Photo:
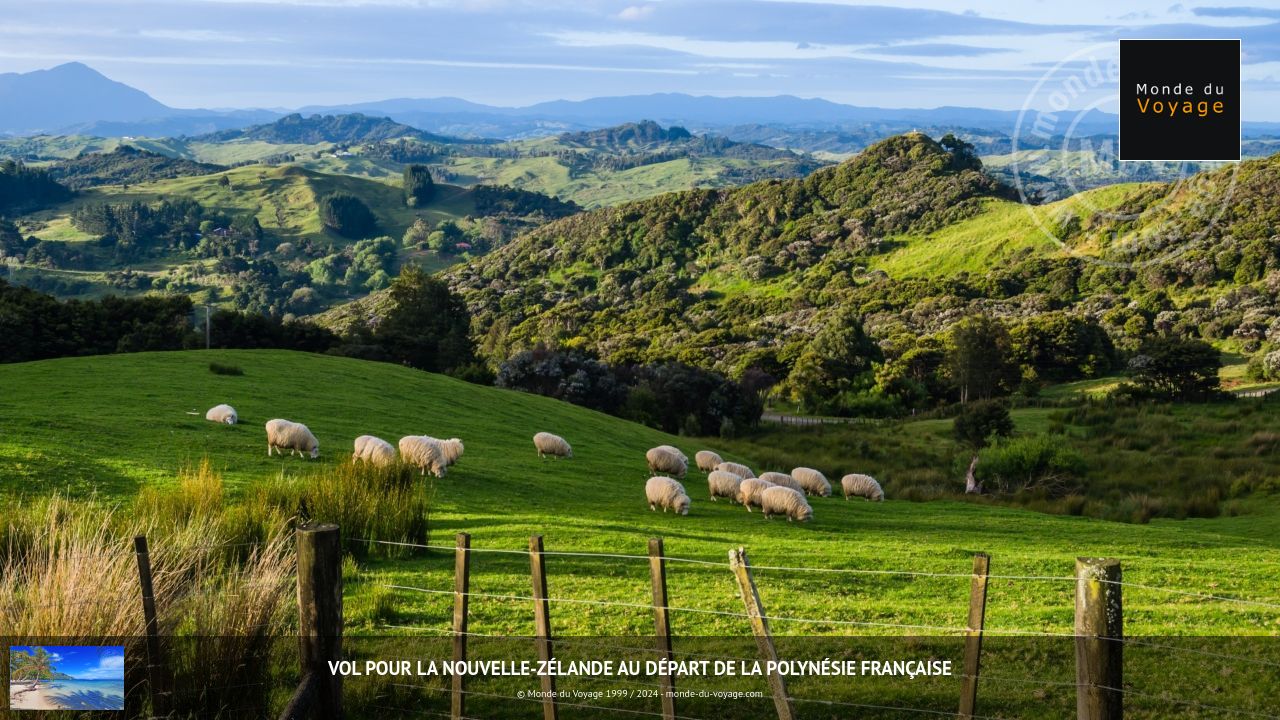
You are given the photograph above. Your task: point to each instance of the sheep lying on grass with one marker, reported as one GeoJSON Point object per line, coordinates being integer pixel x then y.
{"type": "Point", "coordinates": [813, 482]}
{"type": "Point", "coordinates": [222, 414]}
{"type": "Point", "coordinates": [666, 459]}
{"type": "Point", "coordinates": [749, 491]}
{"type": "Point", "coordinates": [785, 501]}
{"type": "Point", "coordinates": [373, 450]}
{"type": "Point", "coordinates": [666, 493]}
{"type": "Point", "coordinates": [552, 445]}
{"type": "Point", "coordinates": [863, 486]}
{"type": "Point", "coordinates": [707, 460]}
{"type": "Point", "coordinates": [738, 469]}
{"type": "Point", "coordinates": [424, 453]}
{"type": "Point", "coordinates": [295, 437]}
{"type": "Point", "coordinates": [783, 479]}
{"type": "Point", "coordinates": [723, 485]}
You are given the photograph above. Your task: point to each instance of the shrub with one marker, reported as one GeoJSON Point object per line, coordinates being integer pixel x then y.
{"type": "Point", "coordinates": [347, 215]}
{"type": "Point", "coordinates": [1033, 463]}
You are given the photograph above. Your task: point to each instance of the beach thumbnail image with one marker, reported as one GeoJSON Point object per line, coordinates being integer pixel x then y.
{"type": "Point", "coordinates": [66, 677]}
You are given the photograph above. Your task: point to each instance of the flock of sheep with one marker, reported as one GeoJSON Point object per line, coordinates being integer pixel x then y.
{"type": "Point", "coordinates": [426, 453]}
{"type": "Point", "coordinates": [775, 493]}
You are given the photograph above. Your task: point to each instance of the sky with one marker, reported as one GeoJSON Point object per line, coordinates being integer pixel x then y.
{"type": "Point", "coordinates": [903, 53]}
{"type": "Point", "coordinates": [84, 662]}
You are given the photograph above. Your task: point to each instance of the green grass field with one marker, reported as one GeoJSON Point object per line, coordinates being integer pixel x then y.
{"type": "Point", "coordinates": [106, 426]}
{"type": "Point", "coordinates": [103, 429]}
{"type": "Point", "coordinates": [1000, 231]}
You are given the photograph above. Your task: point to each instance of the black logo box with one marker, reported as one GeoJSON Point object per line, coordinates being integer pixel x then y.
{"type": "Point", "coordinates": [1180, 65]}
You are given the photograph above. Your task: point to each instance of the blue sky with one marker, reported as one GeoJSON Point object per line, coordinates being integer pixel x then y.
{"type": "Point", "coordinates": [84, 662]}
{"type": "Point", "coordinates": [909, 53]}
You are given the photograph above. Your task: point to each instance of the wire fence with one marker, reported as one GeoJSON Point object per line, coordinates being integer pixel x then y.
{"type": "Point", "coordinates": [821, 626]}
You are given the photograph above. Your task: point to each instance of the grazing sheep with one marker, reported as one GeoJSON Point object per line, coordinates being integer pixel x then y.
{"type": "Point", "coordinates": [723, 484]}
{"type": "Point", "coordinates": [749, 492]}
{"type": "Point", "coordinates": [785, 501]}
{"type": "Point", "coordinates": [813, 482]}
{"type": "Point", "coordinates": [552, 445]}
{"type": "Point", "coordinates": [424, 453]}
{"type": "Point", "coordinates": [662, 459]}
{"type": "Point", "coordinates": [863, 486]}
{"type": "Point", "coordinates": [452, 450]}
{"type": "Point", "coordinates": [707, 460]}
{"type": "Point", "coordinates": [668, 494]}
{"type": "Point", "coordinates": [295, 437]}
{"type": "Point", "coordinates": [783, 479]}
{"type": "Point", "coordinates": [677, 451]}
{"type": "Point", "coordinates": [222, 414]}
{"type": "Point", "coordinates": [373, 450]}
{"type": "Point", "coordinates": [738, 469]}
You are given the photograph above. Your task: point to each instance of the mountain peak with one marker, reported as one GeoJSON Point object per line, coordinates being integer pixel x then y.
{"type": "Point", "coordinates": [69, 94]}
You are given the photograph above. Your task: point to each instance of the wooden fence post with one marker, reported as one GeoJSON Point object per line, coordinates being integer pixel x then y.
{"type": "Point", "coordinates": [542, 626]}
{"type": "Point", "coordinates": [320, 614]}
{"type": "Point", "coordinates": [1099, 640]}
{"type": "Point", "coordinates": [973, 636]}
{"type": "Point", "coordinates": [155, 663]}
{"type": "Point", "coordinates": [461, 586]}
{"type": "Point", "coordinates": [760, 627]}
{"type": "Point", "coordinates": [662, 625]}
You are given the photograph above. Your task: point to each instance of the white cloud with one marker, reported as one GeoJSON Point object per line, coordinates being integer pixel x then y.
{"type": "Point", "coordinates": [109, 667]}
{"type": "Point", "coordinates": [635, 12]}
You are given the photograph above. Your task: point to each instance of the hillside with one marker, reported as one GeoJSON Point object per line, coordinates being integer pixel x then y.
{"type": "Point", "coordinates": [126, 165]}
{"type": "Point", "coordinates": [281, 246]}
{"type": "Point", "coordinates": [501, 493]}
{"type": "Point", "coordinates": [714, 272]}
{"type": "Point", "coordinates": [350, 128]}
{"type": "Point", "coordinates": [905, 235]}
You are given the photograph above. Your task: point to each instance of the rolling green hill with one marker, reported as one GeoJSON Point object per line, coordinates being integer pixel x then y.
{"type": "Point", "coordinates": [909, 236]}
{"type": "Point", "coordinates": [141, 419]}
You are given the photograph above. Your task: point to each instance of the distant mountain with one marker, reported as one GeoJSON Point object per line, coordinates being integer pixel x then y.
{"type": "Point", "coordinates": [188, 122]}
{"type": "Point", "coordinates": [67, 95]}
{"type": "Point", "coordinates": [348, 128]}
{"type": "Point", "coordinates": [126, 165]}
{"type": "Point", "coordinates": [628, 135]}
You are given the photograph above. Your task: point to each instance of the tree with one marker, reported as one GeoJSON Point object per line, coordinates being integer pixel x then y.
{"type": "Point", "coordinates": [1174, 368]}
{"type": "Point", "coordinates": [418, 186]}
{"type": "Point", "coordinates": [35, 666]}
{"type": "Point", "coordinates": [980, 358]}
{"type": "Point", "coordinates": [427, 326]}
{"type": "Point", "coordinates": [347, 215]}
{"type": "Point", "coordinates": [974, 427]}
{"type": "Point", "coordinates": [839, 353]}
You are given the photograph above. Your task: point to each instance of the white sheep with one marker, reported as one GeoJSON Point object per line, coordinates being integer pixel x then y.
{"type": "Point", "coordinates": [813, 482]}
{"type": "Point", "coordinates": [552, 445]}
{"type": "Point", "coordinates": [424, 453]}
{"type": "Point", "coordinates": [677, 451]}
{"type": "Point", "coordinates": [666, 459]}
{"type": "Point", "coordinates": [738, 469]}
{"type": "Point", "coordinates": [666, 493]}
{"type": "Point", "coordinates": [295, 437]}
{"type": "Point", "coordinates": [785, 501]}
{"type": "Point", "coordinates": [749, 491]}
{"type": "Point", "coordinates": [863, 486]}
{"type": "Point", "coordinates": [222, 414]}
{"type": "Point", "coordinates": [452, 450]}
{"type": "Point", "coordinates": [707, 460]}
{"type": "Point", "coordinates": [373, 450]}
{"type": "Point", "coordinates": [723, 484]}
{"type": "Point", "coordinates": [783, 479]}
